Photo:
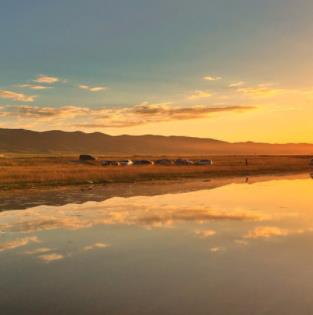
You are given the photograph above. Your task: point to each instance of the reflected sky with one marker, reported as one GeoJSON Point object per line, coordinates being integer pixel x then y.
{"type": "Point", "coordinates": [236, 248]}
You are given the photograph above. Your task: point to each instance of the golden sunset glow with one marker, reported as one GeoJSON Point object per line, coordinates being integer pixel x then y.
{"type": "Point", "coordinates": [249, 80]}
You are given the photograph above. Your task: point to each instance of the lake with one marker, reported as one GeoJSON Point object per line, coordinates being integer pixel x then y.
{"type": "Point", "coordinates": [220, 246]}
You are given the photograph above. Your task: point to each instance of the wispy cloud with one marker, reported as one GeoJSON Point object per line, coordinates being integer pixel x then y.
{"type": "Point", "coordinates": [236, 84]}
{"type": "Point", "coordinates": [84, 117]}
{"type": "Point", "coordinates": [38, 111]}
{"type": "Point", "coordinates": [260, 91]}
{"type": "Point", "coordinates": [89, 88]}
{"type": "Point", "coordinates": [18, 97]}
{"type": "Point", "coordinates": [34, 86]}
{"type": "Point", "coordinates": [18, 243]}
{"type": "Point", "coordinates": [96, 246]}
{"type": "Point", "coordinates": [198, 94]}
{"type": "Point", "coordinates": [46, 79]}
{"type": "Point", "coordinates": [151, 113]}
{"type": "Point", "coordinates": [211, 78]}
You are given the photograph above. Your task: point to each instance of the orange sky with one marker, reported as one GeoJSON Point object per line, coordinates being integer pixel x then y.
{"type": "Point", "coordinates": [234, 70]}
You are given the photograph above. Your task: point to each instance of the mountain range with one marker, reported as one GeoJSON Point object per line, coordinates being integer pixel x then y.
{"type": "Point", "coordinates": [62, 142]}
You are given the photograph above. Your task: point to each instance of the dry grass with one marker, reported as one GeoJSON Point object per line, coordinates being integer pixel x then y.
{"type": "Point", "coordinates": [18, 172]}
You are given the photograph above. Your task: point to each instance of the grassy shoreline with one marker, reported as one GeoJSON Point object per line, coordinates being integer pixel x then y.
{"type": "Point", "coordinates": [31, 172]}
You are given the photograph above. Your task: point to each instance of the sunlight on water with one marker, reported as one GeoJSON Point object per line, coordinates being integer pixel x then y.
{"type": "Point", "coordinates": [233, 248]}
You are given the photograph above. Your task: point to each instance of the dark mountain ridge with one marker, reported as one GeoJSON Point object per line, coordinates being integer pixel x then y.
{"type": "Point", "coordinates": [63, 142]}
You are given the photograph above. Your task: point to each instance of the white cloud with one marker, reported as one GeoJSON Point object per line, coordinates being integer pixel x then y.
{"type": "Point", "coordinates": [211, 78]}
{"type": "Point", "coordinates": [261, 90]}
{"type": "Point", "coordinates": [96, 246]}
{"type": "Point", "coordinates": [18, 97]}
{"type": "Point", "coordinates": [34, 86]}
{"type": "Point", "coordinates": [236, 84]}
{"type": "Point", "coordinates": [46, 79]}
{"type": "Point", "coordinates": [93, 88]}
{"type": "Point", "coordinates": [198, 94]}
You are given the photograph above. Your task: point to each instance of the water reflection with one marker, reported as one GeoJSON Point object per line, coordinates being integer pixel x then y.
{"type": "Point", "coordinates": [258, 204]}
{"type": "Point", "coordinates": [153, 250]}
{"type": "Point", "coordinates": [14, 200]}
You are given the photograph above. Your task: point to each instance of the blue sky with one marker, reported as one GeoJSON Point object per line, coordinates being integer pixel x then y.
{"type": "Point", "coordinates": [154, 52]}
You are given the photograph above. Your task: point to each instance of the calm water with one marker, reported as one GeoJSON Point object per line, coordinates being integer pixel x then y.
{"type": "Point", "coordinates": [218, 247]}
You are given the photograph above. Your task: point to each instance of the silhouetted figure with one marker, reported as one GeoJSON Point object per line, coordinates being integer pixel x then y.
{"type": "Point", "coordinates": [246, 162]}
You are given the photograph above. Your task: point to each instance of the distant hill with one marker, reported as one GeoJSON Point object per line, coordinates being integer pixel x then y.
{"type": "Point", "coordinates": [61, 142]}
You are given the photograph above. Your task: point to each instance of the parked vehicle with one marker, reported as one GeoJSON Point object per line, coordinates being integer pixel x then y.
{"type": "Point", "coordinates": [164, 162]}
{"type": "Point", "coordinates": [183, 162]}
{"type": "Point", "coordinates": [125, 162]}
{"type": "Point", "coordinates": [86, 157]}
{"type": "Point", "coordinates": [204, 162]}
{"type": "Point", "coordinates": [142, 162]}
{"type": "Point", "coordinates": [109, 163]}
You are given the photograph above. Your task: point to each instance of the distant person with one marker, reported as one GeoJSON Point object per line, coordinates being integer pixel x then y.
{"type": "Point", "coordinates": [246, 162]}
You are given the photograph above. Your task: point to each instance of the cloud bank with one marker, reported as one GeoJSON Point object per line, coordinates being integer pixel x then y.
{"type": "Point", "coordinates": [104, 117]}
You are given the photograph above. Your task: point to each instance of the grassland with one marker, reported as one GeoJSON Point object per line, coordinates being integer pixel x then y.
{"type": "Point", "coordinates": [31, 171]}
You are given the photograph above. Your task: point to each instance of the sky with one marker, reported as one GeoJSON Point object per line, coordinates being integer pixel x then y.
{"type": "Point", "coordinates": [235, 70]}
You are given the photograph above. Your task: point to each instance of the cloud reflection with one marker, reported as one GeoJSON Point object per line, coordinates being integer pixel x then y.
{"type": "Point", "coordinates": [266, 232]}
{"type": "Point", "coordinates": [139, 211]}
{"type": "Point", "coordinates": [205, 233]}
{"type": "Point", "coordinates": [38, 251]}
{"type": "Point", "coordinates": [50, 257]}
{"type": "Point", "coordinates": [18, 243]}
{"type": "Point", "coordinates": [216, 249]}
